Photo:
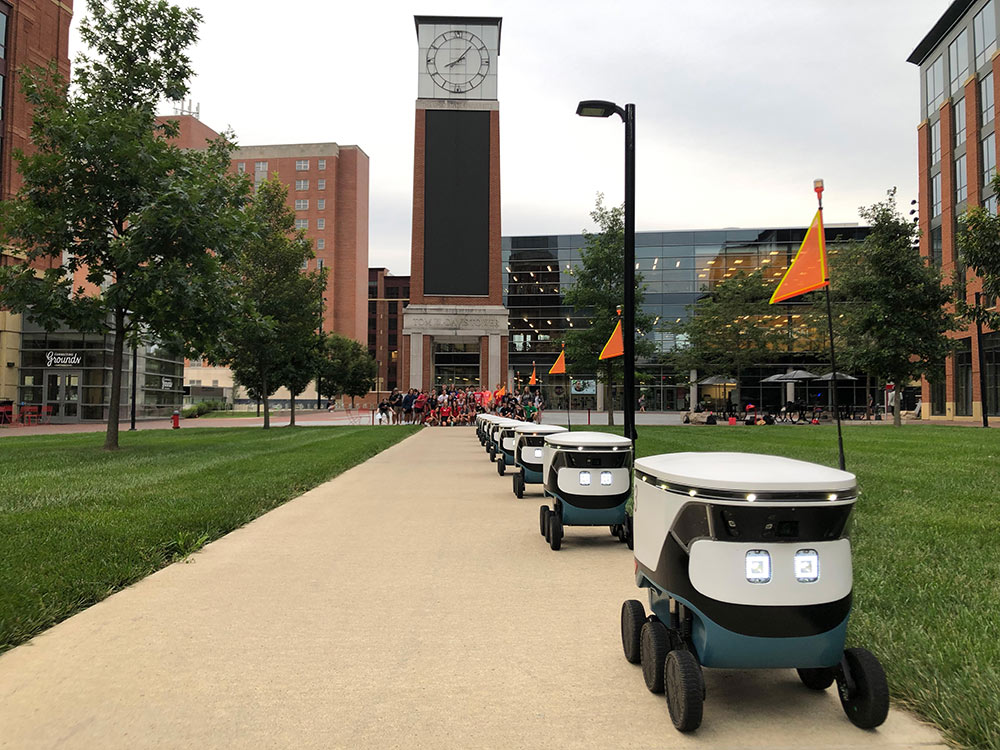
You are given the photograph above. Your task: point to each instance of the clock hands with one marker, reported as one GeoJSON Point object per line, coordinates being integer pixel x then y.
{"type": "Point", "coordinates": [459, 59]}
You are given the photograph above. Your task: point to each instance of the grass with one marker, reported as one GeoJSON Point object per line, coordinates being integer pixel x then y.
{"type": "Point", "coordinates": [78, 523]}
{"type": "Point", "coordinates": [926, 560]}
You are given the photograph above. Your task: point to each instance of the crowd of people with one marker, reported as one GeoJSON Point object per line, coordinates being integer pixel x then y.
{"type": "Point", "coordinates": [446, 406]}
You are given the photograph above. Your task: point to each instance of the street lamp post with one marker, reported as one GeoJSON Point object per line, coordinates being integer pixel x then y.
{"type": "Point", "coordinates": [597, 108]}
{"type": "Point", "coordinates": [319, 376]}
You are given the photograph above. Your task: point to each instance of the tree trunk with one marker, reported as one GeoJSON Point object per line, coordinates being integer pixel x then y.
{"type": "Point", "coordinates": [868, 395]}
{"type": "Point", "coordinates": [114, 405]}
{"type": "Point", "coordinates": [291, 419]}
{"type": "Point", "coordinates": [608, 403]}
{"type": "Point", "coordinates": [267, 410]}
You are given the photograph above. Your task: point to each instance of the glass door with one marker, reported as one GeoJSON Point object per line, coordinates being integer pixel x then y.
{"type": "Point", "coordinates": [62, 395]}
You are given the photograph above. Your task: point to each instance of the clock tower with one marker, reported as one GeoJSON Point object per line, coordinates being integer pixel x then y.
{"type": "Point", "coordinates": [455, 327]}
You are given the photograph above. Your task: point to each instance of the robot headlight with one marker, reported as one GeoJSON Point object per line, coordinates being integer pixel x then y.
{"type": "Point", "coordinates": [807, 566]}
{"type": "Point", "coordinates": [758, 564]}
{"type": "Point", "coordinates": [538, 452]}
{"type": "Point", "coordinates": [585, 478]}
{"type": "Point", "coordinates": [606, 478]}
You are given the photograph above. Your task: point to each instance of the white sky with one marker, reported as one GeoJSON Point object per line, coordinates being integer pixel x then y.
{"type": "Point", "coordinates": [740, 103]}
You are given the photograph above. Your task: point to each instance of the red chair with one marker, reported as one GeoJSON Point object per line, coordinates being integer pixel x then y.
{"type": "Point", "coordinates": [29, 415]}
{"type": "Point", "coordinates": [46, 414]}
{"type": "Point", "coordinates": [6, 416]}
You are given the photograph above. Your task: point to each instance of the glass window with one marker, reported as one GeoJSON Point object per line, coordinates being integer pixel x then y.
{"type": "Point", "coordinates": [989, 149]}
{"type": "Point", "coordinates": [961, 180]}
{"type": "Point", "coordinates": [301, 223]}
{"type": "Point", "coordinates": [321, 204]}
{"type": "Point", "coordinates": [321, 244]}
{"type": "Point", "coordinates": [936, 195]}
{"type": "Point", "coordinates": [302, 184]}
{"type": "Point", "coordinates": [260, 166]}
{"type": "Point", "coordinates": [934, 78]}
{"type": "Point", "coordinates": [319, 263]}
{"type": "Point", "coordinates": [959, 111]}
{"type": "Point", "coordinates": [321, 184]}
{"type": "Point", "coordinates": [958, 60]}
{"type": "Point", "coordinates": [301, 165]}
{"type": "Point", "coordinates": [321, 165]}
{"type": "Point", "coordinates": [321, 223]}
{"type": "Point", "coordinates": [936, 247]}
{"type": "Point", "coordinates": [302, 205]}
{"type": "Point", "coordinates": [963, 378]}
{"type": "Point", "coordinates": [938, 397]}
{"type": "Point", "coordinates": [986, 98]}
{"type": "Point", "coordinates": [936, 142]}
{"type": "Point", "coordinates": [990, 205]}
{"type": "Point", "coordinates": [984, 32]}
{"type": "Point", "coordinates": [3, 35]}
{"type": "Point", "coordinates": [1, 98]}
{"type": "Point", "coordinates": [241, 167]}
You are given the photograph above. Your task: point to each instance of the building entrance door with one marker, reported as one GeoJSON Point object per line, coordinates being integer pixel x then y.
{"type": "Point", "coordinates": [62, 394]}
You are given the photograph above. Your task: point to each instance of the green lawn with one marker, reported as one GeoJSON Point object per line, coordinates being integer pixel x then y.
{"type": "Point", "coordinates": [926, 541]}
{"type": "Point", "coordinates": [77, 523]}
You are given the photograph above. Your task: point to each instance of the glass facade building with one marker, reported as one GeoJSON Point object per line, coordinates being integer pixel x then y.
{"type": "Point", "coordinates": [676, 269]}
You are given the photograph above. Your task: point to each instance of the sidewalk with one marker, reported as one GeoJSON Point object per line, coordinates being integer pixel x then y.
{"type": "Point", "coordinates": [410, 602]}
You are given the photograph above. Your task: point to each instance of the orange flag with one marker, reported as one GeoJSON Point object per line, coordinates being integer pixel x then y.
{"type": "Point", "coordinates": [532, 380]}
{"type": "Point", "coordinates": [616, 344]}
{"type": "Point", "coordinates": [808, 270]}
{"type": "Point", "coordinates": [559, 368]}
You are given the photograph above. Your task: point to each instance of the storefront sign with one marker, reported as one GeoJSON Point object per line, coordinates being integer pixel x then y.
{"type": "Point", "coordinates": [63, 359]}
{"type": "Point", "coordinates": [584, 387]}
{"type": "Point", "coordinates": [168, 384]}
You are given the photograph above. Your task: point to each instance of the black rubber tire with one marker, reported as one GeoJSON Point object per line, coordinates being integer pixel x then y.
{"type": "Point", "coordinates": [653, 647]}
{"type": "Point", "coordinates": [629, 533]}
{"type": "Point", "coordinates": [819, 678]}
{"type": "Point", "coordinates": [501, 465]}
{"type": "Point", "coordinates": [555, 531]}
{"type": "Point", "coordinates": [519, 485]}
{"type": "Point", "coordinates": [543, 519]}
{"type": "Point", "coordinates": [633, 618]}
{"type": "Point", "coordinates": [493, 453]}
{"type": "Point", "coordinates": [685, 689]}
{"type": "Point", "coordinates": [614, 529]}
{"type": "Point", "coordinates": [869, 705]}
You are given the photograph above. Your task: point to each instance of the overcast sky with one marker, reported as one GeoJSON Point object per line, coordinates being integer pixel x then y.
{"type": "Point", "coordinates": [740, 103]}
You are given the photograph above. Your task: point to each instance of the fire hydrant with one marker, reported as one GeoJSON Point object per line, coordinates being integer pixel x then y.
{"type": "Point", "coordinates": [175, 421]}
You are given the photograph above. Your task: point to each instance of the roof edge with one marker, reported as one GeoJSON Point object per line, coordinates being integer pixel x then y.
{"type": "Point", "coordinates": [940, 30]}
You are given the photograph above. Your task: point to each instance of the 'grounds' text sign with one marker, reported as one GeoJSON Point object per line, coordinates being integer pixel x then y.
{"type": "Point", "coordinates": [63, 359]}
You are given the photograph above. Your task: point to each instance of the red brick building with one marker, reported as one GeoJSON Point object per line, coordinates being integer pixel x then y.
{"type": "Point", "coordinates": [387, 296]}
{"type": "Point", "coordinates": [32, 33]}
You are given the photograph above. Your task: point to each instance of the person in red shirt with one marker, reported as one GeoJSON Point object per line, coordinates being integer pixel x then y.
{"type": "Point", "coordinates": [418, 407]}
{"type": "Point", "coordinates": [446, 414]}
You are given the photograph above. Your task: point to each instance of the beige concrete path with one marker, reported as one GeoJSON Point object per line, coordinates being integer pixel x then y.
{"type": "Point", "coordinates": [408, 603]}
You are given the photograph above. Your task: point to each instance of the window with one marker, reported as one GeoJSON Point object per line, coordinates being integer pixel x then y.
{"type": "Point", "coordinates": [934, 78]}
{"type": "Point", "coordinates": [319, 263]}
{"type": "Point", "coordinates": [321, 204]}
{"type": "Point", "coordinates": [986, 99]}
{"type": "Point", "coordinates": [958, 60]}
{"type": "Point", "coordinates": [961, 180]}
{"type": "Point", "coordinates": [3, 35]}
{"type": "Point", "coordinates": [301, 224]}
{"type": "Point", "coordinates": [320, 184]}
{"type": "Point", "coordinates": [936, 195]}
{"type": "Point", "coordinates": [959, 112]}
{"type": "Point", "coordinates": [984, 33]}
{"type": "Point", "coordinates": [990, 205]}
{"type": "Point", "coordinates": [936, 246]}
{"type": "Point", "coordinates": [938, 397]}
{"type": "Point", "coordinates": [963, 378]}
{"type": "Point", "coordinates": [936, 142]}
{"type": "Point", "coordinates": [302, 184]}
{"type": "Point", "coordinates": [305, 265]}
{"type": "Point", "coordinates": [215, 383]}
{"type": "Point", "coordinates": [241, 167]}
{"type": "Point", "coordinates": [989, 149]}
{"type": "Point", "coordinates": [321, 223]}
{"type": "Point", "coordinates": [301, 165]}
{"type": "Point", "coordinates": [321, 244]}
{"type": "Point", "coordinates": [321, 164]}
{"type": "Point", "coordinates": [301, 205]}
{"type": "Point", "coordinates": [260, 166]}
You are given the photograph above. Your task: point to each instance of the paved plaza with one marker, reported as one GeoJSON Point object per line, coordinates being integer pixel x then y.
{"type": "Point", "coordinates": [410, 602]}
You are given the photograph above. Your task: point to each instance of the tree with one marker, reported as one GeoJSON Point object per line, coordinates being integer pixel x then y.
{"type": "Point", "coordinates": [273, 342]}
{"type": "Point", "coordinates": [732, 327]}
{"type": "Point", "coordinates": [133, 232]}
{"type": "Point", "coordinates": [895, 316]}
{"type": "Point", "coordinates": [979, 249]}
{"type": "Point", "coordinates": [346, 368]}
{"type": "Point", "coordinates": [598, 291]}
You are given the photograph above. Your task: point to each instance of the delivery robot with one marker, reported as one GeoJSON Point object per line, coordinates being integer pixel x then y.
{"type": "Point", "coordinates": [529, 440]}
{"type": "Point", "coordinates": [748, 564]}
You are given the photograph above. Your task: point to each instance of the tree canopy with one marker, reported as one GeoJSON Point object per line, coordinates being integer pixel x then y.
{"type": "Point", "coordinates": [132, 231]}
{"type": "Point", "coordinates": [979, 249]}
{"type": "Point", "coordinates": [346, 367]}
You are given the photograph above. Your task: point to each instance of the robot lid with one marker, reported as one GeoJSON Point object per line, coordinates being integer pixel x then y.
{"type": "Point", "coordinates": [506, 424]}
{"type": "Point", "coordinates": [746, 472]}
{"type": "Point", "coordinates": [538, 429]}
{"type": "Point", "coordinates": [584, 440]}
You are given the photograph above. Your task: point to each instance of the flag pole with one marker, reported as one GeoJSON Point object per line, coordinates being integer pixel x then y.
{"type": "Point", "coordinates": [818, 186]}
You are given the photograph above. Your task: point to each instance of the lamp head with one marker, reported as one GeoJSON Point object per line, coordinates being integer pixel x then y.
{"type": "Point", "coordinates": [818, 186]}
{"type": "Point", "coordinates": [599, 108]}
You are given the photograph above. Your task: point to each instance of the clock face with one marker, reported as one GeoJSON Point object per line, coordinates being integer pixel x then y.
{"type": "Point", "coordinates": [458, 61]}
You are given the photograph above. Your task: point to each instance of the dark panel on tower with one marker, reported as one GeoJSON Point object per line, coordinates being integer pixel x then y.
{"type": "Point", "coordinates": [457, 203]}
